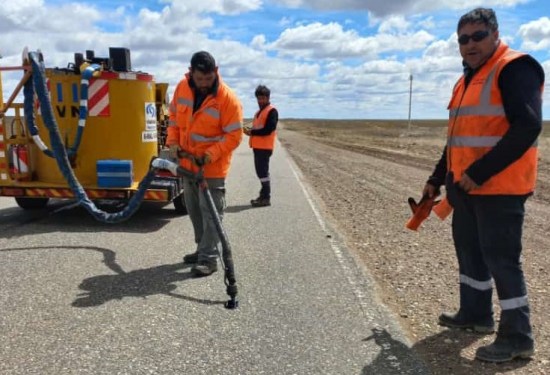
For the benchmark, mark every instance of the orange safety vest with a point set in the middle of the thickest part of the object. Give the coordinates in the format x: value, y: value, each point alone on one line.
x: 215, y: 128
x: 263, y: 142
x: 477, y: 123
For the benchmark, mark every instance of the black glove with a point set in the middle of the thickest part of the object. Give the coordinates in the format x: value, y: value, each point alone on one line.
x: 202, y: 160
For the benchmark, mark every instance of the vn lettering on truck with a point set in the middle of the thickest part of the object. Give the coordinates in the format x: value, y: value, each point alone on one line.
x: 62, y: 111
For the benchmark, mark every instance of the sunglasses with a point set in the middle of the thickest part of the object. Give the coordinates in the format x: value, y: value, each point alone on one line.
x: 478, y: 36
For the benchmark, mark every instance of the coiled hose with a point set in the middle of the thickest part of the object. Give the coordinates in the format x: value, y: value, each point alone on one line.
x: 87, y: 74
x: 59, y: 152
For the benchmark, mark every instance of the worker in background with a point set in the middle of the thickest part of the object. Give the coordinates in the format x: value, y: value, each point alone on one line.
x: 205, y: 121
x: 262, y: 141
x: 489, y: 168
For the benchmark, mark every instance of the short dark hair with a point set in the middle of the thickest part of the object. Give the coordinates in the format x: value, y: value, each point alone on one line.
x: 203, y: 62
x: 262, y: 90
x: 486, y: 16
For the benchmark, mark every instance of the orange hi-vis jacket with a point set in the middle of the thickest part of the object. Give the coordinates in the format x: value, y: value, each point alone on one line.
x: 263, y: 142
x: 477, y: 123
x: 214, y: 129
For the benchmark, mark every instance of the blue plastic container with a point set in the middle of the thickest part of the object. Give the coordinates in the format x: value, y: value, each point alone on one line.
x: 114, y: 173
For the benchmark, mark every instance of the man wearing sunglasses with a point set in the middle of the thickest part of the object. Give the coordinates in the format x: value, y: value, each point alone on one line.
x: 489, y: 168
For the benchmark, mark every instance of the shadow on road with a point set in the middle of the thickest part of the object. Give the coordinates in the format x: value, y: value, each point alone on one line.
x: 394, y: 358
x: 441, y: 353
x: 138, y: 283
x: 238, y: 208
x: 15, y: 222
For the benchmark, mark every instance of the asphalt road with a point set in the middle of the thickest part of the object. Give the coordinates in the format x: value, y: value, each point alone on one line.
x: 81, y: 297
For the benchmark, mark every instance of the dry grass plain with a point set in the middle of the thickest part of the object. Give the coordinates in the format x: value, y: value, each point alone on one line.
x: 362, y: 173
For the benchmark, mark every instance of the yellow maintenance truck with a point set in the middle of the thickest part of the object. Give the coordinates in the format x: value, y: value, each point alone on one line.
x: 110, y: 119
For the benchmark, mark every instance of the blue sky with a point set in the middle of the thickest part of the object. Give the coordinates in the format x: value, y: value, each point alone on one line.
x: 348, y: 59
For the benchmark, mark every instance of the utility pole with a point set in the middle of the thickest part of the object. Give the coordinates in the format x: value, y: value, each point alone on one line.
x: 410, y: 101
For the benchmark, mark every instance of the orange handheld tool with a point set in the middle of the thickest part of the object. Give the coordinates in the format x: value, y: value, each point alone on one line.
x: 420, y: 210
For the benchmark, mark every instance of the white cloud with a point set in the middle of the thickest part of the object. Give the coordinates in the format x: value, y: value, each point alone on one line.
x: 225, y: 7
x: 258, y: 42
x: 536, y: 34
x: 317, y: 40
x: 316, y: 66
x: 427, y: 23
x: 285, y: 21
x: 394, y: 23
x: 403, y: 7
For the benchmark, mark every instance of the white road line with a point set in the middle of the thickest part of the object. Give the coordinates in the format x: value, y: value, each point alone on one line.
x: 352, y: 280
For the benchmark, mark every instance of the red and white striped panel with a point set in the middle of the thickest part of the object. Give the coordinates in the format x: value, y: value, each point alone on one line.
x: 98, y: 98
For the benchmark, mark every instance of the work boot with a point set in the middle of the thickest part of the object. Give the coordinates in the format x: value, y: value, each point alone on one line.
x: 260, y: 202
x: 191, y: 258
x: 456, y: 321
x: 504, y: 350
x: 204, y: 269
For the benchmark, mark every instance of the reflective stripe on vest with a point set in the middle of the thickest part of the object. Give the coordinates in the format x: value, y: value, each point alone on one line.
x: 186, y: 102
x: 232, y: 127
x: 202, y: 129
x: 213, y: 112
x: 201, y: 138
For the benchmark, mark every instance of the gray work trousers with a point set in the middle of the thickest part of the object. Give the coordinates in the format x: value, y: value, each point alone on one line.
x: 206, y: 235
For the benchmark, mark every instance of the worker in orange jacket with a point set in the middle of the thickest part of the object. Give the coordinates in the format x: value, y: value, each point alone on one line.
x: 262, y: 141
x: 489, y: 168
x: 206, y: 122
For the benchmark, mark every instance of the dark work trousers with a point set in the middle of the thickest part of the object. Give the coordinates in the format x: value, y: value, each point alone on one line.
x: 487, y: 233
x: 261, y: 163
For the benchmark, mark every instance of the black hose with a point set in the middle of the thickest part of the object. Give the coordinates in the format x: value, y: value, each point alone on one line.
x: 226, y: 255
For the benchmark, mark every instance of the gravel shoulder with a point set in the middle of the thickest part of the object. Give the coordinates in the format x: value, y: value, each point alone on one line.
x: 362, y: 174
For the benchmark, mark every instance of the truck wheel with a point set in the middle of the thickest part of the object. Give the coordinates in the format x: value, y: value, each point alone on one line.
x: 179, y: 204
x: 32, y: 203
